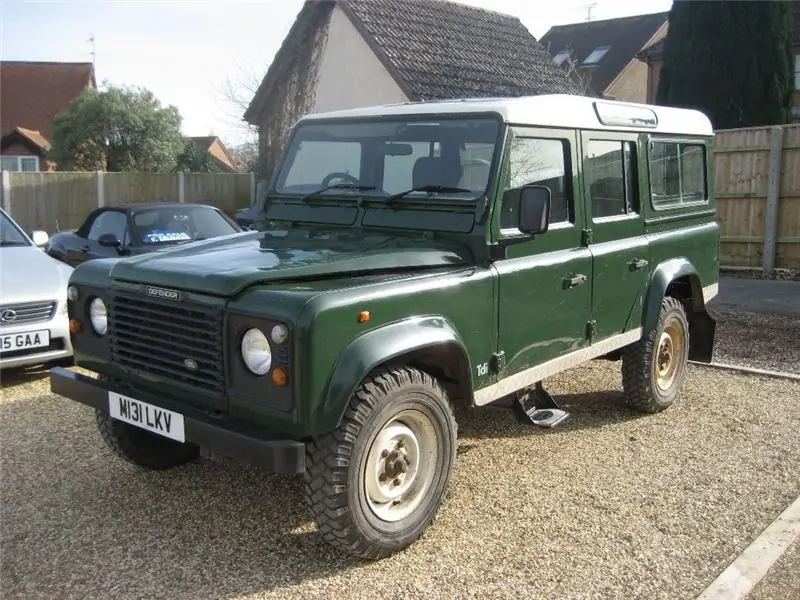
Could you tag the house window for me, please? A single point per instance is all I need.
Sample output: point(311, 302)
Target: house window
point(562, 56)
point(19, 163)
point(797, 72)
point(611, 178)
point(537, 161)
point(596, 55)
point(677, 174)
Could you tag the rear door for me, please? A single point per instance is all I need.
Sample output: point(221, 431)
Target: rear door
point(619, 248)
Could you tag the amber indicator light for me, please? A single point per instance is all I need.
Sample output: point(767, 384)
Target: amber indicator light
point(279, 377)
point(363, 316)
point(75, 326)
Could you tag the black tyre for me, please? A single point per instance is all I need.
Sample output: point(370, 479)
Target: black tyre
point(653, 369)
point(376, 484)
point(142, 448)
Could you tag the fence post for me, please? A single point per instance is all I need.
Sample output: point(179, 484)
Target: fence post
point(181, 188)
point(6, 191)
point(252, 189)
point(773, 199)
point(101, 189)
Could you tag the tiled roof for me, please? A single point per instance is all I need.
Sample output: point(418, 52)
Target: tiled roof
point(35, 137)
point(625, 37)
point(439, 50)
point(33, 93)
point(218, 151)
point(434, 50)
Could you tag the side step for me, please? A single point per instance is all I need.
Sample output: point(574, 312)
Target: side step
point(537, 407)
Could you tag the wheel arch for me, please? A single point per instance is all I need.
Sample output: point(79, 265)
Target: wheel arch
point(678, 278)
point(431, 344)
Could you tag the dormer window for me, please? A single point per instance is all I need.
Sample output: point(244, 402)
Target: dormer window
point(596, 55)
point(562, 56)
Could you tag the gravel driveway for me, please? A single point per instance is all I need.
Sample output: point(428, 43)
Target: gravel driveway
point(611, 505)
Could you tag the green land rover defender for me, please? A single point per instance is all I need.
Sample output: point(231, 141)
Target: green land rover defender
point(411, 258)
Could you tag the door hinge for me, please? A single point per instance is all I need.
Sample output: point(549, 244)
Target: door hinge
point(586, 237)
point(498, 362)
point(591, 329)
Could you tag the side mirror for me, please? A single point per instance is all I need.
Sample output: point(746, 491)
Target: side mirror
point(40, 238)
point(109, 240)
point(534, 209)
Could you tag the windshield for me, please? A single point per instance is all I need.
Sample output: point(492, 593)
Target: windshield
point(386, 157)
point(10, 233)
point(164, 225)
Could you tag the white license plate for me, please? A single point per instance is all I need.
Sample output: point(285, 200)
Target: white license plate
point(25, 340)
point(141, 414)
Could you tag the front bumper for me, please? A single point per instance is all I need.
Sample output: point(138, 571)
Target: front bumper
point(274, 454)
point(60, 343)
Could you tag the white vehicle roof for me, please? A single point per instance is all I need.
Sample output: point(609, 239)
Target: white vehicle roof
point(554, 110)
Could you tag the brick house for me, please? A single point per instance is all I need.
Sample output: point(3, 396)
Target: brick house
point(604, 55)
point(223, 161)
point(31, 95)
point(342, 54)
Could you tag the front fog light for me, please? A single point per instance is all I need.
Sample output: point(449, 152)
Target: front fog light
point(256, 352)
point(279, 334)
point(98, 316)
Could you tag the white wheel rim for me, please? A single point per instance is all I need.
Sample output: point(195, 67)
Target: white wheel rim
point(401, 463)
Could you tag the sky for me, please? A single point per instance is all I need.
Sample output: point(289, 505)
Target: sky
point(188, 51)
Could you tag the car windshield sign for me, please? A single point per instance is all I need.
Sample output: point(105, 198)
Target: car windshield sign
point(391, 159)
point(170, 225)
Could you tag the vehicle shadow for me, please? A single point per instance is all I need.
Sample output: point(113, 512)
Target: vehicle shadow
point(78, 521)
point(23, 375)
point(587, 410)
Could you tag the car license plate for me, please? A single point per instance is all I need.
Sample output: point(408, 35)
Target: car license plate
point(25, 340)
point(151, 418)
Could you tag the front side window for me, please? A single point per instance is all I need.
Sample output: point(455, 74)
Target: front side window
point(610, 172)
point(537, 161)
point(677, 173)
point(392, 156)
point(110, 221)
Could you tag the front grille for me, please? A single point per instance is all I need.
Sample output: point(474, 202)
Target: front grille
point(161, 337)
point(31, 312)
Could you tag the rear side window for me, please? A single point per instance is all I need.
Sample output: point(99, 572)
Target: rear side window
point(677, 174)
point(611, 178)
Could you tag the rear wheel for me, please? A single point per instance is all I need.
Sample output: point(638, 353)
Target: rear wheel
point(653, 369)
point(375, 484)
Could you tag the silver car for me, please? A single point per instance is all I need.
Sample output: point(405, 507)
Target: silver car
point(34, 326)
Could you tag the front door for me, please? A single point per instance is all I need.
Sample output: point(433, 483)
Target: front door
point(544, 284)
point(107, 221)
point(620, 251)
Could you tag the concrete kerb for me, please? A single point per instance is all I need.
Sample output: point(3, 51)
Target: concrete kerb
point(748, 370)
point(750, 567)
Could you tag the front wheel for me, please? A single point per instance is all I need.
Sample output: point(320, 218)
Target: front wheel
point(653, 369)
point(376, 483)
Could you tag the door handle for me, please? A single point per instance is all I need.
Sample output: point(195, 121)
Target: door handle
point(86, 249)
point(575, 280)
point(637, 263)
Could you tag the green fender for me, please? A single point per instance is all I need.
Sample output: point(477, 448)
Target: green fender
point(664, 274)
point(374, 348)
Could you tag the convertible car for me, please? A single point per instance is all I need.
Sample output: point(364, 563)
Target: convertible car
point(138, 228)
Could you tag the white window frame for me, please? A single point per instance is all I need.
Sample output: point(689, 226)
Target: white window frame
point(19, 158)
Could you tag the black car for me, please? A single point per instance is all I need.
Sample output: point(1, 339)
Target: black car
point(139, 228)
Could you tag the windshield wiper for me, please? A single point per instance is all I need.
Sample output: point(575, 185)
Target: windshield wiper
point(340, 186)
point(431, 189)
point(10, 243)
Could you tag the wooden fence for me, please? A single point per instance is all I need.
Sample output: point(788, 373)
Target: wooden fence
point(61, 200)
point(758, 196)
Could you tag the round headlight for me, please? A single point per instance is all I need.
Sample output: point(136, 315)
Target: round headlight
point(256, 352)
point(73, 293)
point(98, 316)
point(279, 334)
